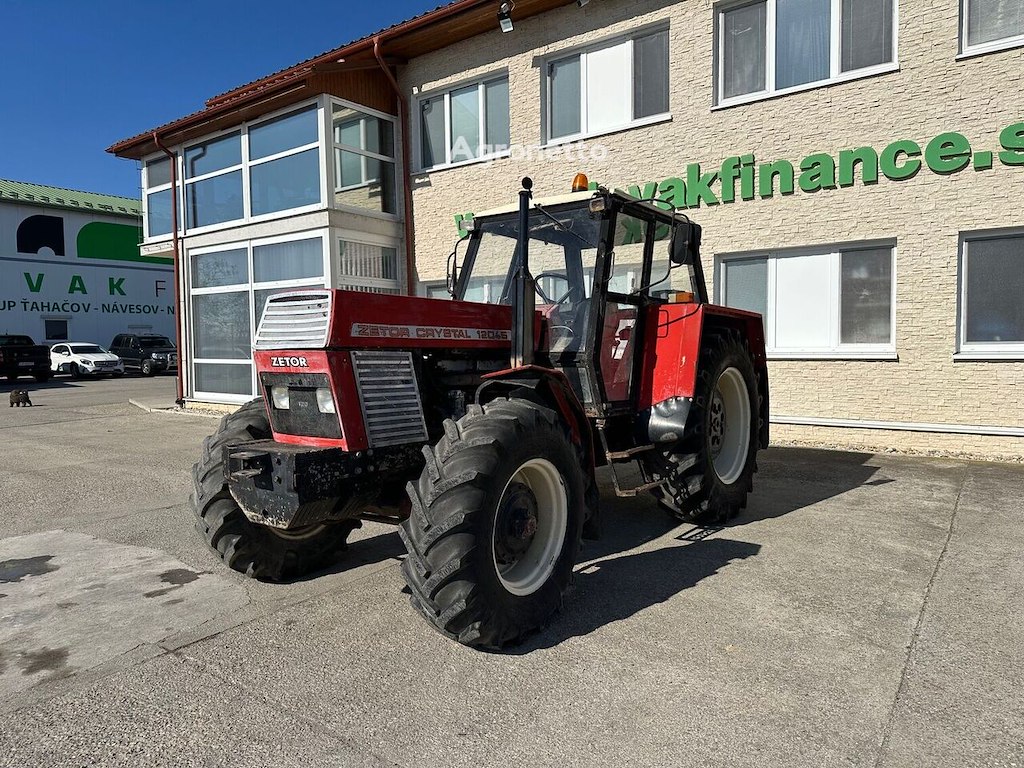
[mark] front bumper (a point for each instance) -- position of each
(294, 486)
(98, 370)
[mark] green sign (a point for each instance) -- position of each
(741, 177)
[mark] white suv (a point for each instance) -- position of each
(79, 358)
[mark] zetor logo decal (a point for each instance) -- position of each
(289, 362)
(366, 331)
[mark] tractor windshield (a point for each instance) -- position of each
(563, 251)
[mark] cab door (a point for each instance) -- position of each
(617, 333)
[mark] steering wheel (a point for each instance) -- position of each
(558, 276)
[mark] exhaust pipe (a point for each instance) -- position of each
(524, 296)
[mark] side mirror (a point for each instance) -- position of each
(452, 278)
(686, 243)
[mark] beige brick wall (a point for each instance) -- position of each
(931, 93)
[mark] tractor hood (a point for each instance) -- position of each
(317, 319)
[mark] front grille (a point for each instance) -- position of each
(295, 320)
(390, 398)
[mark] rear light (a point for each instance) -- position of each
(279, 395)
(325, 400)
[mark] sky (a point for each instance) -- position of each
(80, 75)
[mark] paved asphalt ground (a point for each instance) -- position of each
(864, 610)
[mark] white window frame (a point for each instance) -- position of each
(837, 350)
(148, 190)
(334, 165)
(981, 350)
(446, 93)
(250, 164)
(999, 44)
(835, 55)
(246, 164)
(250, 287)
(426, 286)
(582, 53)
(350, 282)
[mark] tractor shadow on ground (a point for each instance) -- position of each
(380, 545)
(790, 479)
(617, 588)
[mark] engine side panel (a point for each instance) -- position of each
(370, 320)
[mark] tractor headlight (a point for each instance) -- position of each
(279, 395)
(325, 400)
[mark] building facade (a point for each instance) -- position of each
(857, 166)
(70, 267)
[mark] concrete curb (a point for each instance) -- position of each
(171, 410)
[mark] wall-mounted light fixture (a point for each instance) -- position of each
(505, 15)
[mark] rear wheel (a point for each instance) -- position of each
(258, 551)
(495, 524)
(709, 473)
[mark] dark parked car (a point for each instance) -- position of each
(150, 354)
(20, 356)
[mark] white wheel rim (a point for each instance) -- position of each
(531, 570)
(729, 427)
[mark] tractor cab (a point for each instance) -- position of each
(596, 262)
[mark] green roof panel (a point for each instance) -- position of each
(70, 199)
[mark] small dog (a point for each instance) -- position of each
(19, 397)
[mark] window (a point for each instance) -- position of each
(228, 287)
(990, 25)
(464, 124)
(257, 170)
(158, 197)
(776, 46)
(992, 295)
(284, 170)
(364, 160)
(817, 303)
(367, 267)
(56, 330)
(213, 181)
(608, 88)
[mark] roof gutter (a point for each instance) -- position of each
(403, 107)
(178, 309)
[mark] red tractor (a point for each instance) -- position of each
(580, 335)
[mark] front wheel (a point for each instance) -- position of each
(706, 477)
(495, 526)
(42, 378)
(147, 368)
(256, 550)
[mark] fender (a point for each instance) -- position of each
(669, 371)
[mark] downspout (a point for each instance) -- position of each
(403, 107)
(179, 314)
